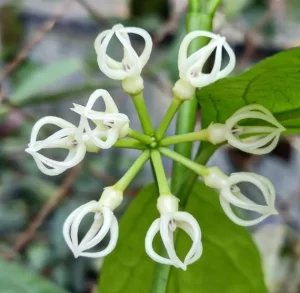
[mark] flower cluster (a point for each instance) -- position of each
(109, 126)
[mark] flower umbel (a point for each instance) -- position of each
(230, 194)
(191, 67)
(169, 221)
(104, 221)
(257, 140)
(132, 64)
(110, 124)
(68, 137)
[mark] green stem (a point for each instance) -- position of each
(162, 181)
(144, 138)
(142, 111)
(129, 144)
(197, 19)
(159, 283)
(199, 169)
(132, 171)
(185, 189)
(173, 108)
(193, 136)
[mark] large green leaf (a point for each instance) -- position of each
(16, 279)
(230, 262)
(273, 83)
(43, 78)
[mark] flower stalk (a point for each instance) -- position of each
(122, 184)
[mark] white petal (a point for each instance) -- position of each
(85, 209)
(188, 223)
(114, 233)
(144, 57)
(231, 64)
(68, 224)
(183, 50)
(153, 230)
(167, 238)
(48, 120)
(97, 223)
(108, 216)
(233, 217)
(261, 182)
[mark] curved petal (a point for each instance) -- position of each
(188, 223)
(110, 105)
(48, 120)
(153, 230)
(231, 64)
(102, 232)
(102, 58)
(234, 218)
(85, 209)
(131, 61)
(114, 233)
(68, 224)
(238, 199)
(167, 238)
(183, 50)
(144, 57)
(94, 229)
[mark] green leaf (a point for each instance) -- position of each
(273, 83)
(230, 262)
(15, 279)
(43, 78)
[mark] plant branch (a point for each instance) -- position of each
(46, 210)
(44, 29)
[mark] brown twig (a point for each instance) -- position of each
(46, 210)
(44, 29)
(96, 15)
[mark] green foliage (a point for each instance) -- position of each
(230, 262)
(43, 78)
(15, 279)
(273, 83)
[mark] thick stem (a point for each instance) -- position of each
(182, 138)
(144, 138)
(173, 108)
(143, 114)
(162, 181)
(132, 171)
(129, 144)
(197, 168)
(196, 20)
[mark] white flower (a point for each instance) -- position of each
(230, 194)
(110, 124)
(104, 221)
(171, 219)
(132, 64)
(68, 137)
(191, 67)
(262, 140)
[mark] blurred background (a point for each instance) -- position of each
(47, 61)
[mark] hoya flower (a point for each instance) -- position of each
(132, 63)
(169, 221)
(68, 137)
(251, 139)
(104, 222)
(110, 124)
(230, 194)
(191, 67)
